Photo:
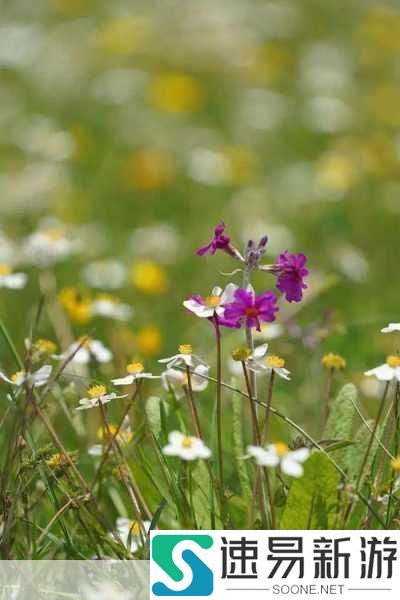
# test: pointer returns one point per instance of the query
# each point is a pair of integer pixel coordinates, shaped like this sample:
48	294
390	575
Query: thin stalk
395	450
327	400
192	406
219	417
372	437
265	426
253	412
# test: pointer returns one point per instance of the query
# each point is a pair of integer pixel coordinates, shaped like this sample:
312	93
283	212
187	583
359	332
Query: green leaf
340	422
238	445
153	412
313	499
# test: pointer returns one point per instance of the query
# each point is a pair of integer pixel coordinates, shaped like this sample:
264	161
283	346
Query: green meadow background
276	116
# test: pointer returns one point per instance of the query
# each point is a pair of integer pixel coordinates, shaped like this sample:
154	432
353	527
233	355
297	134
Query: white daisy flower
131	533
186	447
96	395
260	362
108	274
279	454
91	349
177	380
135	371
107	306
184	358
391	328
37	379
8	279
213	304
50	244
387	372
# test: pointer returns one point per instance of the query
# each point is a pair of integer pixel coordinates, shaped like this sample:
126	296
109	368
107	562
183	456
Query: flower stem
373	434
265	425
395	450
219	418
328	393
192	406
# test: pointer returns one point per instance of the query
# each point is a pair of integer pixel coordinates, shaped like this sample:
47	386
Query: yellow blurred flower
124	36
333	361
77	305
242	164
149	277
337	172
149	340
176	93
70	7
380	29
149	169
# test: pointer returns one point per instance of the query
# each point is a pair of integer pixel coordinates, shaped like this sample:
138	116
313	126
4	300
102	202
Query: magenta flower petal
220	241
250	310
291	271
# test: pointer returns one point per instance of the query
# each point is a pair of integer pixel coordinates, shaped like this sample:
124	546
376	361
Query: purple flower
249	309
220	241
291	271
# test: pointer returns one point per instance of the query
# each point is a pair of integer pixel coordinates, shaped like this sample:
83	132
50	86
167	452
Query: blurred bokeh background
140	125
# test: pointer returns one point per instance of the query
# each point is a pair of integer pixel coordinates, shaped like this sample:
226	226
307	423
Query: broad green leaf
238	445
340	422
312	502
153	412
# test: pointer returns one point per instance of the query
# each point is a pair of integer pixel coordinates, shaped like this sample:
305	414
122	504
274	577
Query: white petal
300	455
82	357
260	351
175	437
4	377
383	373
391	328
15	281
216	291
228	293
284	373
128	380
291	467
265	458
168	360
198	309
100	352
41	376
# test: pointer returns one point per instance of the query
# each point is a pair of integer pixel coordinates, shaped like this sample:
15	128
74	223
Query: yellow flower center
46	346
103	434
333	361
4	269
54	235
107	298
55	460
241	354
135	368
78	306
185	349
212	301
96	391
396	464
149	277
135	528
281	448
275	362
393	361
14	378
187	442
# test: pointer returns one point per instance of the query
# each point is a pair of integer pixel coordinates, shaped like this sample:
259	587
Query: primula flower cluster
236	306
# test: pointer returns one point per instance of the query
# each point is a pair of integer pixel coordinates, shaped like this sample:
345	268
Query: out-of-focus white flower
260	362
37	379
351	262
388	371
177	380
371	387
291	462
186	447
391	328
8	279
106	274
96	450
184	358
213	304
88	350
209	166
39	136
135	371
51	243
96	395
160	241
107	306
7	249
132	533
271	331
